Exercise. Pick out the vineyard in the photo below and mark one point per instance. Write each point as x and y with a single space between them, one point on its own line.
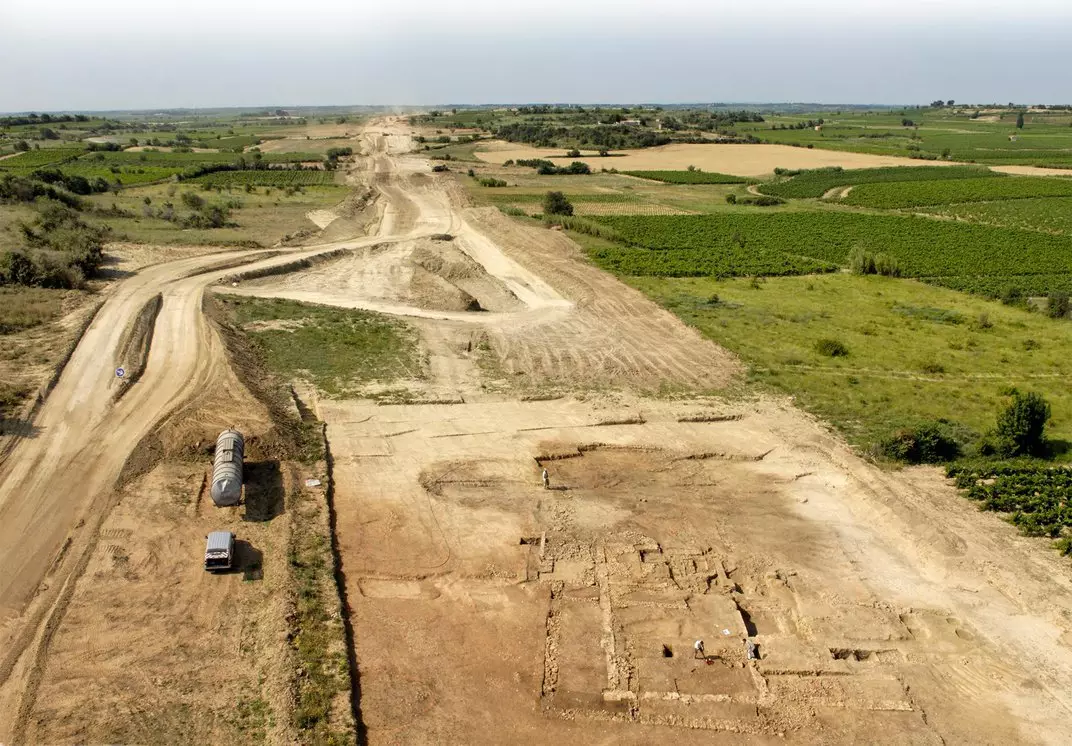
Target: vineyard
276 177
1002 286
688 177
728 261
786 243
32 159
818 182
925 193
183 160
1035 497
1049 214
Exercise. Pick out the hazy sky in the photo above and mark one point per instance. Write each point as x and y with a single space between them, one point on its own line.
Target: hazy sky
124 54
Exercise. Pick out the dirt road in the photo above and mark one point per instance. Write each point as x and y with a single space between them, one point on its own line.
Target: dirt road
56 483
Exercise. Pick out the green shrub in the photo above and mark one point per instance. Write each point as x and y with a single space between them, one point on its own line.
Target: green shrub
1021 426
926 443
831 347
555 203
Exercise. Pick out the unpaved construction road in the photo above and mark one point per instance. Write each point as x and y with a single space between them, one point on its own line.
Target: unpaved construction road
487 609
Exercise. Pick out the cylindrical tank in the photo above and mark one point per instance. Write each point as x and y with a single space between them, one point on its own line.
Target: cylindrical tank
227 468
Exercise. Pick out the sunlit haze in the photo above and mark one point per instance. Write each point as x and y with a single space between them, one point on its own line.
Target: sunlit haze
118 54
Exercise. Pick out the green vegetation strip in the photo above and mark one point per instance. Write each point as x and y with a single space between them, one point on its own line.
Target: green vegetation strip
1033 495
818 182
688 177
794 242
1049 214
268 177
913 353
925 193
38 158
338 349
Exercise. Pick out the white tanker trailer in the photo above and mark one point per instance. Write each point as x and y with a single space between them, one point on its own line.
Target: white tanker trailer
227 469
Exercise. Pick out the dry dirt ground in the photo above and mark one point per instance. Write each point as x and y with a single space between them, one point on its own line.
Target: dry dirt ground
485 608
739 160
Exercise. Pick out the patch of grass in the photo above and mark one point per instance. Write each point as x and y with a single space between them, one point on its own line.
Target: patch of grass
879 388
337 349
319 641
26 307
263 216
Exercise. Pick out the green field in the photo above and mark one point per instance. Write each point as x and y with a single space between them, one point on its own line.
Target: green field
928 193
793 242
1050 214
688 177
916 352
336 349
816 183
32 159
268 177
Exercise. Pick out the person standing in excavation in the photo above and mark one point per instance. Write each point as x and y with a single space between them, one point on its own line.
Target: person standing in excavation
698 647
546 480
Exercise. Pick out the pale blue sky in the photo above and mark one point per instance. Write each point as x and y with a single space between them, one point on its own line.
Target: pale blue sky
120 54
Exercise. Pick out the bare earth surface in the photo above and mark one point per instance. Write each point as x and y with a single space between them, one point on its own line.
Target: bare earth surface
739 160
1032 171
485 608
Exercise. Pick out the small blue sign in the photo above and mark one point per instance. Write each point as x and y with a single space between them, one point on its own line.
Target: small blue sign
120 372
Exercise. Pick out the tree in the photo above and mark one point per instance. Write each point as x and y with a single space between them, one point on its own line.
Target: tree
950 102
555 203
1020 121
22 146
1022 424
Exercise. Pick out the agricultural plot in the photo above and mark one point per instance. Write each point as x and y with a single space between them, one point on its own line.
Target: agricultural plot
926 193
916 352
1034 497
1007 285
817 182
1049 214
276 177
688 177
39 158
794 242
124 175
182 160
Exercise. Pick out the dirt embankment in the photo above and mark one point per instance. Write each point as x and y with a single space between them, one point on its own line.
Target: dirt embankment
133 351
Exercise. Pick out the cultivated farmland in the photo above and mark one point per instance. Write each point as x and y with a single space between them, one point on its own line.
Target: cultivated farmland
927 193
687 177
268 177
922 247
816 183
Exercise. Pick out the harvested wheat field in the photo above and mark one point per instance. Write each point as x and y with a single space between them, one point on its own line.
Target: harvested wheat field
738 160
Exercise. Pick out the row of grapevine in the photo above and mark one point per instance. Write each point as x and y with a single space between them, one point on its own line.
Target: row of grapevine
1035 496
921 246
688 177
818 182
924 193
39 158
1049 214
276 177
